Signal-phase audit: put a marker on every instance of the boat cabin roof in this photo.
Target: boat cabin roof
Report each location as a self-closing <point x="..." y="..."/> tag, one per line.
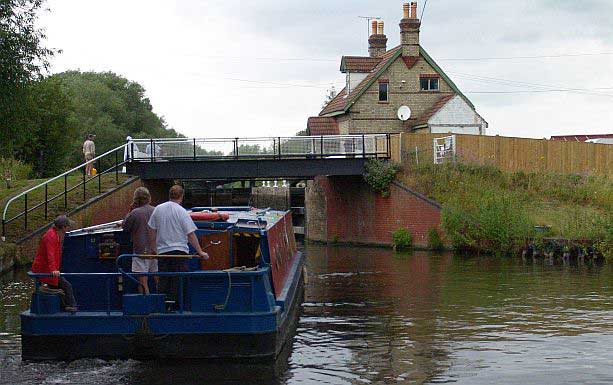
<point x="240" y="218"/>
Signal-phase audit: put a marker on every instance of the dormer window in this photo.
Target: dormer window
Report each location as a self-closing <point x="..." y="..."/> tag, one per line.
<point x="429" y="82"/>
<point x="383" y="91"/>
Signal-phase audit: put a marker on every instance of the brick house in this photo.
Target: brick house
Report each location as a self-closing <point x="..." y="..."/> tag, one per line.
<point x="379" y="84"/>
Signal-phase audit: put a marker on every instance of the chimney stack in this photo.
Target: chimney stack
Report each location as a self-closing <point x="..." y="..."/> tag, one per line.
<point x="409" y="30"/>
<point x="377" y="42"/>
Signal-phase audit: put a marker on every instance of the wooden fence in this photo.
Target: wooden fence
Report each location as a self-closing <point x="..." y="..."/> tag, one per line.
<point x="513" y="154"/>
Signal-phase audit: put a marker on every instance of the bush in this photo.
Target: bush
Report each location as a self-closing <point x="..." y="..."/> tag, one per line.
<point x="12" y="170"/>
<point x="434" y="239"/>
<point x="402" y="239"/>
<point x="380" y="174"/>
<point x="488" y="221"/>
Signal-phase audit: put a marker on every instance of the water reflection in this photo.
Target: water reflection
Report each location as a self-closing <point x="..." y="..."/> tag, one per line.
<point x="371" y="316"/>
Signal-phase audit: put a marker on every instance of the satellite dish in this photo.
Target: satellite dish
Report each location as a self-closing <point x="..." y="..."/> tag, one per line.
<point x="404" y="113"/>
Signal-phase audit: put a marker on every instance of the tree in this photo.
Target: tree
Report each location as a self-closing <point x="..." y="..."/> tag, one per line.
<point x="330" y="94"/>
<point x="23" y="59"/>
<point x="112" y="107"/>
<point x="50" y="127"/>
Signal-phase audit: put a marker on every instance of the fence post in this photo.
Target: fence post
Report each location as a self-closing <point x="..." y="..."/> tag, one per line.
<point x="194" y="148"/>
<point x="376" y="150"/>
<point x="46" y="201"/>
<point x="25" y="221"/>
<point x="3" y="229"/>
<point x="151" y="149"/>
<point x="388" y="139"/>
<point x="65" y="192"/>
<point x="236" y="148"/>
<point x="116" y="169"/>
<point x="84" y="187"/>
<point x="279" y="138"/>
<point x="363" y="146"/>
<point x="313" y="146"/>
<point x="99" y="178"/>
<point x="321" y="146"/>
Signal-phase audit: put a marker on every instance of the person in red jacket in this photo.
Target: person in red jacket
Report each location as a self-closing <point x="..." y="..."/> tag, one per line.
<point x="49" y="259"/>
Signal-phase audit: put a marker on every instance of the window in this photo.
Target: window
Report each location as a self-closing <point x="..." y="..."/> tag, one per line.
<point x="383" y="90"/>
<point x="428" y="84"/>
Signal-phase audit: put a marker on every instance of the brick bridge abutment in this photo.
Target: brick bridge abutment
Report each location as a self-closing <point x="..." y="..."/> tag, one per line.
<point x="347" y="210"/>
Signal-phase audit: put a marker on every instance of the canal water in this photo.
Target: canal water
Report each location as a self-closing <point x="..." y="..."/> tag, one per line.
<point x="374" y="317"/>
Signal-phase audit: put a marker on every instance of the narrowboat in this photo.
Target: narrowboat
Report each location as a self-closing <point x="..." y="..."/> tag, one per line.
<point x="241" y="303"/>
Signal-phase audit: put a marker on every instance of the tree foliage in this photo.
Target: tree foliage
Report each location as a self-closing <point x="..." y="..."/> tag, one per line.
<point x="330" y="94"/>
<point x="23" y="60"/>
<point x="50" y="127"/>
<point x="112" y="107"/>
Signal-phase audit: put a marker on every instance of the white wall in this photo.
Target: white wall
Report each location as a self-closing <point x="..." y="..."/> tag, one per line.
<point x="353" y="79"/>
<point x="457" y="117"/>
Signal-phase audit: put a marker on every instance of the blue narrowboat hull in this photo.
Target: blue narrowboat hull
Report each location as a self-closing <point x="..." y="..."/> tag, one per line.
<point x="160" y="336"/>
<point x="224" y="313"/>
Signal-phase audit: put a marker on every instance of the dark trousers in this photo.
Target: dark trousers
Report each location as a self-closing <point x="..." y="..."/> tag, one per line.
<point x="69" y="300"/>
<point x="170" y="285"/>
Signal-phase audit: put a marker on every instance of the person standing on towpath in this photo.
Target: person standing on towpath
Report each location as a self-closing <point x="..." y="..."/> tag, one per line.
<point x="89" y="152"/>
<point x="172" y="229"/>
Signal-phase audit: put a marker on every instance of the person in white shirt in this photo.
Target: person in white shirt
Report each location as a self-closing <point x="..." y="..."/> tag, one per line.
<point x="172" y="230"/>
<point x="89" y="152"/>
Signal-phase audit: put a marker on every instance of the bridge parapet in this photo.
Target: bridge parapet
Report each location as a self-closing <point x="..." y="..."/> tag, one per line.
<point x="297" y="147"/>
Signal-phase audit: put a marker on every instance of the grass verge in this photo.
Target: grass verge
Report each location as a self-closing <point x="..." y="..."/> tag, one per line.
<point x="490" y="210"/>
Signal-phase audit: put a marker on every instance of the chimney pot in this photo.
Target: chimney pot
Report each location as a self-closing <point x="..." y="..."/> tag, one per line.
<point x="381" y="30"/>
<point x="414" y="10"/>
<point x="374" y="27"/>
<point x="406" y="8"/>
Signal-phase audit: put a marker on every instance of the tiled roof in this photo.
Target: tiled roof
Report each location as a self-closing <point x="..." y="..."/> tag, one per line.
<point x="429" y="113"/>
<point x="322" y="126"/>
<point x="336" y="104"/>
<point x="359" y="63"/>
<point x="342" y="102"/>
<point x="339" y="103"/>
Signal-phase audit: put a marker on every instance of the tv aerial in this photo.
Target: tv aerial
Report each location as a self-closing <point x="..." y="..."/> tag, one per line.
<point x="404" y="113"/>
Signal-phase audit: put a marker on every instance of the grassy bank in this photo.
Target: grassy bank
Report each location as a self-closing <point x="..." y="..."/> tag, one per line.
<point x="36" y="218"/>
<point x="494" y="211"/>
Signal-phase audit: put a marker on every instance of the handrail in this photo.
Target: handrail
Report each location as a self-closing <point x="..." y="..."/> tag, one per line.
<point x="144" y="140"/>
<point x="6" y="206"/>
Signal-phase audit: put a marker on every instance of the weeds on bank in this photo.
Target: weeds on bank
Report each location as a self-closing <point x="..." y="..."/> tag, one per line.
<point x="380" y="175"/>
<point x="493" y="211"/>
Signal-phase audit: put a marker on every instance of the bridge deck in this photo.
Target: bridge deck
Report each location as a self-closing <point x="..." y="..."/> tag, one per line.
<point x="254" y="158"/>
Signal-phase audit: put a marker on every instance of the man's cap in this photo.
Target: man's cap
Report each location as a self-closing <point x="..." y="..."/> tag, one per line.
<point x="63" y="221"/>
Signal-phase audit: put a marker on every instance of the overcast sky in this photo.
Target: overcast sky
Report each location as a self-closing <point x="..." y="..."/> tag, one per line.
<point x="225" y="68"/>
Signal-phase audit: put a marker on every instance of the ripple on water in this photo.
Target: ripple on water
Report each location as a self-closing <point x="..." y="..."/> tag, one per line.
<point x="373" y="318"/>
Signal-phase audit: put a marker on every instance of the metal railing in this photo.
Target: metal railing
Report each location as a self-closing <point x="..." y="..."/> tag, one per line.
<point x="152" y="150"/>
<point x="184" y="278"/>
<point x="114" y="157"/>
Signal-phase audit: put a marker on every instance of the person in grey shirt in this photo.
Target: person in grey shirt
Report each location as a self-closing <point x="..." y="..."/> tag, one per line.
<point x="136" y="223"/>
<point x="172" y="230"/>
